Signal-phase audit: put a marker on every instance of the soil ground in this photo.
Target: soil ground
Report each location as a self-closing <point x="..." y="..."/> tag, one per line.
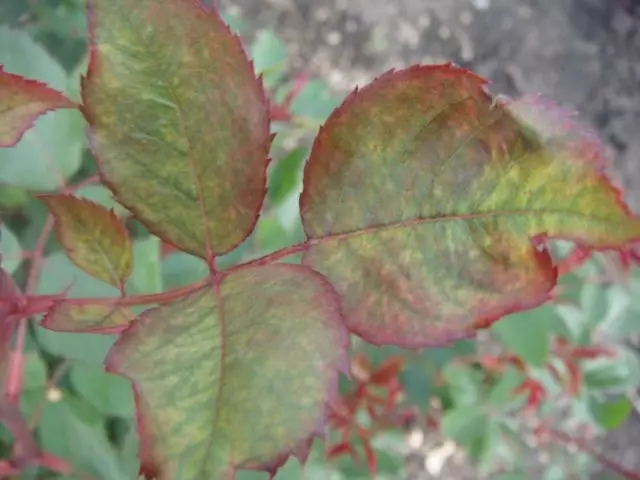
<point x="584" y="54"/>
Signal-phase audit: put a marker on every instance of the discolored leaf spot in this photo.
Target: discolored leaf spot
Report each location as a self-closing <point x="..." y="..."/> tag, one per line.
<point x="179" y="122"/>
<point x="21" y="102"/>
<point x="205" y="403"/>
<point x="94" y="238"/>
<point x="426" y="205"/>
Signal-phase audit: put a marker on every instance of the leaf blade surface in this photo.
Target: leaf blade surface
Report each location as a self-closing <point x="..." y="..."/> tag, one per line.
<point x="94" y="238"/>
<point x="205" y="401"/>
<point x="425" y="202"/>
<point x="179" y="122"/>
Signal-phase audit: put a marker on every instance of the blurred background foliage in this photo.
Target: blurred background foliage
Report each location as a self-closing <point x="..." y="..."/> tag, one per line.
<point x="85" y="415"/>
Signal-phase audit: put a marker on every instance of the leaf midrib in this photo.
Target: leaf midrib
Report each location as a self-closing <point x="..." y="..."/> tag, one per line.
<point x="455" y="217"/>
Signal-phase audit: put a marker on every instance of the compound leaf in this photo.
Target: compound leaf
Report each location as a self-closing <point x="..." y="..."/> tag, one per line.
<point x="236" y="375"/>
<point x="95" y="238"/>
<point x="179" y="122"/>
<point x="21" y="102"/>
<point x="426" y="205"/>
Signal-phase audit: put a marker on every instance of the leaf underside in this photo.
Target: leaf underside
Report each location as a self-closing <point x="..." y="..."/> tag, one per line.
<point x="179" y="122"/>
<point x="425" y="203"/>
<point x="234" y="376"/>
<point x="94" y="238"/>
<point x="21" y="102"/>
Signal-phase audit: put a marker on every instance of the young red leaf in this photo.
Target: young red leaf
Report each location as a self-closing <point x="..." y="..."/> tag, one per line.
<point x="426" y="205"/>
<point x="21" y="102"/>
<point x="94" y="238"/>
<point x="179" y="122"/>
<point x="235" y="375"/>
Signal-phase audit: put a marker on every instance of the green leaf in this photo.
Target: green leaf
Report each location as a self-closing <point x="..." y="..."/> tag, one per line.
<point x="424" y="201"/>
<point x="464" y="424"/>
<point x="12" y="10"/>
<point x="102" y="196"/>
<point x="464" y="383"/>
<point x="314" y="101"/>
<point x="10" y="251"/>
<point x="611" y="414"/>
<point x="35" y="371"/>
<point x="286" y="176"/>
<point x="526" y="334"/>
<point x="502" y="393"/>
<point x="71" y="431"/>
<point x="269" y="55"/>
<point x="52" y="150"/>
<point x="283" y="320"/>
<point x="107" y="393"/>
<point x="58" y="273"/>
<point x="147" y="273"/>
<point x="178" y="120"/>
<point x="606" y="374"/>
<point x="489" y="448"/>
<point x="179" y="269"/>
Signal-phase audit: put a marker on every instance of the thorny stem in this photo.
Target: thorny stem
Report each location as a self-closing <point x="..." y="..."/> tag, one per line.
<point x="26" y="450"/>
<point x="14" y="377"/>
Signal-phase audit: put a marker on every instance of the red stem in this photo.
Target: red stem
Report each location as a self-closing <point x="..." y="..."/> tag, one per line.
<point x="14" y="375"/>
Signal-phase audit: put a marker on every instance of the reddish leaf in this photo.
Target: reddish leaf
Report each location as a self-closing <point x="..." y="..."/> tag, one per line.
<point x="21" y="102"/>
<point x="388" y="370"/>
<point x="236" y="375"/>
<point x="179" y="122"/>
<point x="338" y="450"/>
<point x="97" y="316"/>
<point x="426" y="205"/>
<point x="94" y="238"/>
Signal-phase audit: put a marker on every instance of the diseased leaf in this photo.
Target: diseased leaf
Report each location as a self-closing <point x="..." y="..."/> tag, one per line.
<point x="22" y="101"/>
<point x="181" y="128"/>
<point x="426" y="205"/>
<point x="94" y="238"/>
<point x="90" y="316"/>
<point x="205" y="405"/>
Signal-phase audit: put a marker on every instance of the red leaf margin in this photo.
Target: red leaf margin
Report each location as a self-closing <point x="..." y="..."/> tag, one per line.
<point x="116" y="222"/>
<point x="40" y="96"/>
